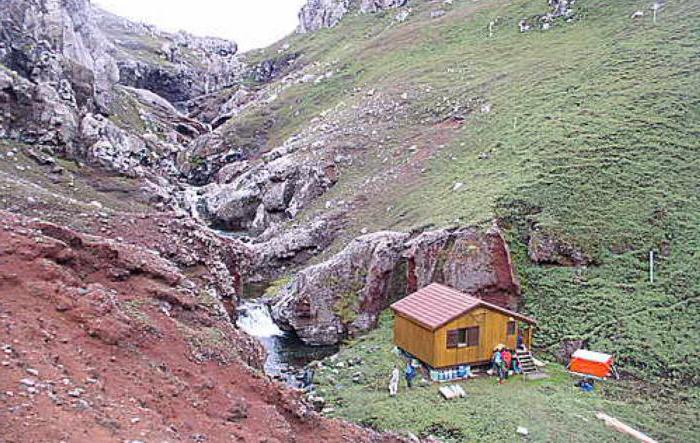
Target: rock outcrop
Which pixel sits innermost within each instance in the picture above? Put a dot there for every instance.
(344, 295)
(370, 6)
(326, 301)
(178, 67)
(559, 10)
(61, 63)
(58, 43)
(35, 113)
(278, 249)
(319, 14)
(547, 248)
(269, 193)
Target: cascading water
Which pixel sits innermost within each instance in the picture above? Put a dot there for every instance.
(256, 321)
(285, 352)
(190, 202)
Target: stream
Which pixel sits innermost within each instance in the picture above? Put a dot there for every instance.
(287, 355)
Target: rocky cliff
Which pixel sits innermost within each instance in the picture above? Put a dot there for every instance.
(61, 67)
(119, 343)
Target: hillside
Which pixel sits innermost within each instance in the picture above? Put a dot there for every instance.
(590, 138)
(532, 153)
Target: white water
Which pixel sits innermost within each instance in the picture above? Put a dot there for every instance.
(256, 321)
(191, 199)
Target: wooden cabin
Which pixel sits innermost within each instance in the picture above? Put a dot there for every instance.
(444, 327)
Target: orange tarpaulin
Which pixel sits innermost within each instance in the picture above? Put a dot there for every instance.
(591, 363)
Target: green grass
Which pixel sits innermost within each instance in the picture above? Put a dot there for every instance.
(553, 410)
(592, 136)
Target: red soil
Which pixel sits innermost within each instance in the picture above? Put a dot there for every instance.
(116, 344)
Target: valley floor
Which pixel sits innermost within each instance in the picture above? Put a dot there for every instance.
(553, 409)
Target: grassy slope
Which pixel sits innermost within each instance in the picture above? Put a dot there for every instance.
(551, 409)
(592, 134)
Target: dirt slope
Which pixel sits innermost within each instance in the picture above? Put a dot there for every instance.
(109, 342)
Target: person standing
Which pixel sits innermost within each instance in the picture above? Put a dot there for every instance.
(498, 365)
(507, 360)
(410, 374)
(394, 382)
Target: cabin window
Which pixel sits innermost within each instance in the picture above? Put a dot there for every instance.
(510, 330)
(473, 336)
(463, 337)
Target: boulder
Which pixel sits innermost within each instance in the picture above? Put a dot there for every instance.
(269, 192)
(318, 14)
(546, 247)
(344, 295)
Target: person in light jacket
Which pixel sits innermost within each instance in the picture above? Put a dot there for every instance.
(394, 382)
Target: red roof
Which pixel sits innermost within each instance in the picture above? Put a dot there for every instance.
(436, 305)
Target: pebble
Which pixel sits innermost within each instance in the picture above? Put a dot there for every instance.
(33, 372)
(75, 392)
(28, 382)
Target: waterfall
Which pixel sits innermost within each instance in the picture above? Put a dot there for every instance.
(191, 201)
(256, 321)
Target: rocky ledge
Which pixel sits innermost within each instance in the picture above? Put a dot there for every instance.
(344, 295)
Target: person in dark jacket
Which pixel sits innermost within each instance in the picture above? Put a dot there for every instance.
(410, 374)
